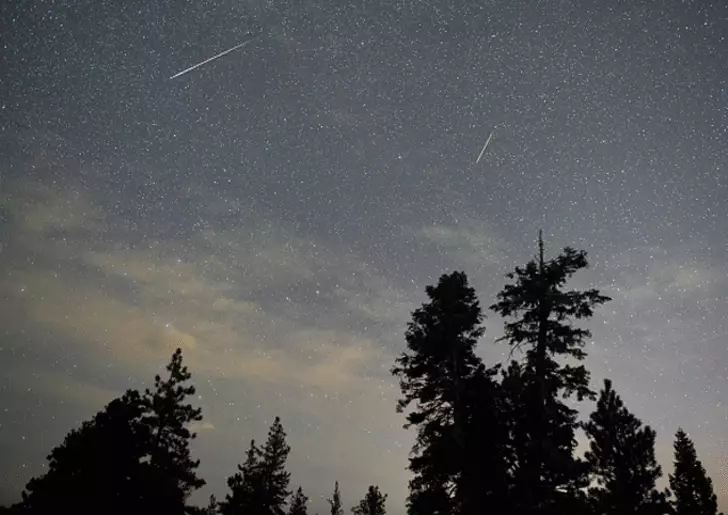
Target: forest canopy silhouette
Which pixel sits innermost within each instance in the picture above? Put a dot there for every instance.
(489, 438)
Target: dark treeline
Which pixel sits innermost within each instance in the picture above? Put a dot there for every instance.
(489, 439)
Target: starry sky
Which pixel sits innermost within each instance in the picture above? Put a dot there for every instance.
(278, 212)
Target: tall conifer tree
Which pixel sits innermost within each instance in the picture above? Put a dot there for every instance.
(273, 468)
(690, 484)
(260, 486)
(449, 389)
(546, 474)
(168, 417)
(246, 490)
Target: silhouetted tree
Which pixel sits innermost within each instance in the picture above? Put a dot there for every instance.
(299, 503)
(621, 458)
(260, 487)
(99, 464)
(335, 501)
(134, 455)
(273, 469)
(451, 390)
(168, 415)
(545, 472)
(372, 504)
(246, 495)
(690, 484)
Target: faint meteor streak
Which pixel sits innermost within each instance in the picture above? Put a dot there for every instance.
(484, 147)
(210, 59)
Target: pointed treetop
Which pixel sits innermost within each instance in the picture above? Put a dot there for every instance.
(298, 503)
(372, 504)
(134, 456)
(273, 464)
(690, 484)
(335, 501)
(446, 328)
(544, 312)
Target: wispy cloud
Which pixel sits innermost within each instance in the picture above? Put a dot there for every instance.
(38, 210)
(200, 303)
(474, 243)
(239, 303)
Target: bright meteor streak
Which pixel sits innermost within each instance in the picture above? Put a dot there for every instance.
(484, 147)
(210, 59)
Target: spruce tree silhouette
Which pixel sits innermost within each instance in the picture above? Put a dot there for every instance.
(690, 484)
(167, 417)
(453, 395)
(273, 468)
(621, 459)
(547, 477)
(246, 489)
(372, 504)
(260, 487)
(298, 503)
(335, 501)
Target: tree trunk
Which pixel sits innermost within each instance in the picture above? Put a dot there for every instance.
(541, 352)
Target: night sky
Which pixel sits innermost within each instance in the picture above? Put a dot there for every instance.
(278, 212)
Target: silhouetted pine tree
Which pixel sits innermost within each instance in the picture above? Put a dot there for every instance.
(690, 484)
(260, 487)
(546, 475)
(450, 388)
(335, 501)
(372, 504)
(273, 469)
(299, 503)
(167, 416)
(621, 459)
(97, 465)
(246, 495)
(133, 456)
